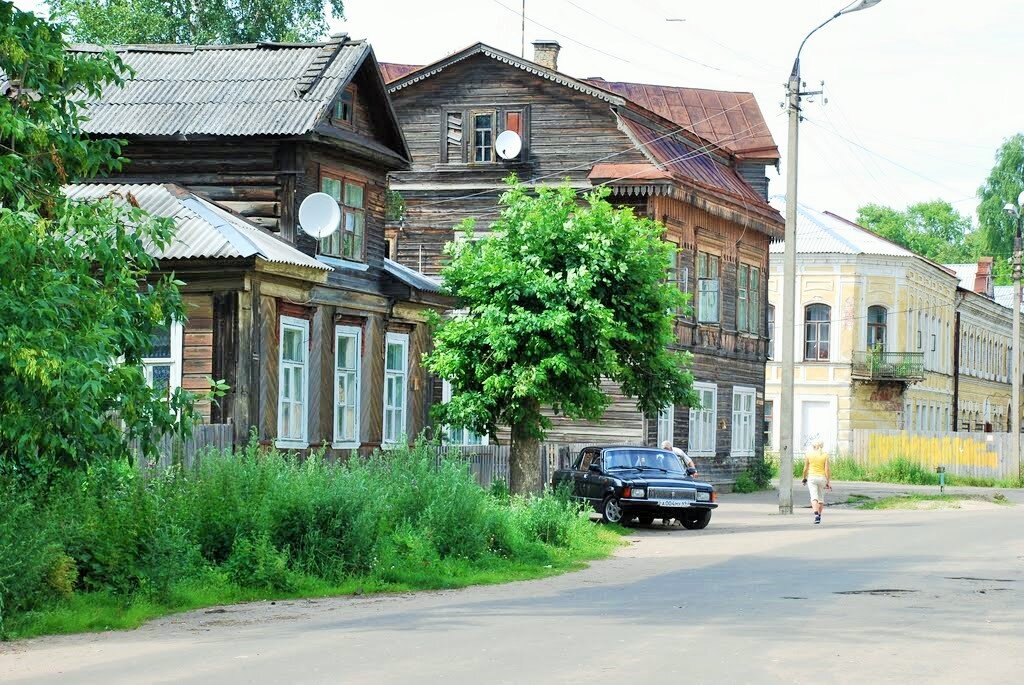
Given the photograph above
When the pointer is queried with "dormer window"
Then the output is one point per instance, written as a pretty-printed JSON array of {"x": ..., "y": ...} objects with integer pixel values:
[{"x": 345, "y": 107}]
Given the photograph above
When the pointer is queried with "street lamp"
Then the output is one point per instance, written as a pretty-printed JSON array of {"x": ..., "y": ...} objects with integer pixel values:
[
  {"x": 789, "y": 269},
  {"x": 1015, "y": 212}
]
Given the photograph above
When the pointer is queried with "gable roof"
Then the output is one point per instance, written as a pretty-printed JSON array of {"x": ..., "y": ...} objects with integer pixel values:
[
  {"x": 423, "y": 72},
  {"x": 827, "y": 233},
  {"x": 230, "y": 90},
  {"x": 731, "y": 120},
  {"x": 204, "y": 229}
]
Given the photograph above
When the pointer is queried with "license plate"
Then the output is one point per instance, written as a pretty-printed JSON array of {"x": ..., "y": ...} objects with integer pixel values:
[{"x": 673, "y": 503}]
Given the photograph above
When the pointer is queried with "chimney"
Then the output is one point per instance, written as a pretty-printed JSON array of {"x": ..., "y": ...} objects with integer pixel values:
[
  {"x": 545, "y": 53},
  {"x": 983, "y": 278}
]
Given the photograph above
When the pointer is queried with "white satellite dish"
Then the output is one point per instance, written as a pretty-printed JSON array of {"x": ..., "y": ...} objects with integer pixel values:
[
  {"x": 508, "y": 144},
  {"x": 319, "y": 215}
]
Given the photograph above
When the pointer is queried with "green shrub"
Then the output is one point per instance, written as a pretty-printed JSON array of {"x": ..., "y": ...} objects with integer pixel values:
[
  {"x": 28, "y": 554},
  {"x": 745, "y": 483},
  {"x": 904, "y": 471},
  {"x": 846, "y": 468},
  {"x": 256, "y": 563}
]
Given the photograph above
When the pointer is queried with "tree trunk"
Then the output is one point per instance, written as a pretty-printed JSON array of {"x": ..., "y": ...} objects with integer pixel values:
[{"x": 524, "y": 460}]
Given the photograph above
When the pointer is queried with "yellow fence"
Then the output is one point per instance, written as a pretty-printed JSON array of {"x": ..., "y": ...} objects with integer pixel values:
[{"x": 964, "y": 454}]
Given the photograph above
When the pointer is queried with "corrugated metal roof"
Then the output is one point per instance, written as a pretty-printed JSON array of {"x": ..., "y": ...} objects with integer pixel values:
[
  {"x": 411, "y": 277},
  {"x": 204, "y": 230},
  {"x": 1004, "y": 296},
  {"x": 732, "y": 120},
  {"x": 825, "y": 233},
  {"x": 392, "y": 71},
  {"x": 965, "y": 273},
  {"x": 239, "y": 90}
]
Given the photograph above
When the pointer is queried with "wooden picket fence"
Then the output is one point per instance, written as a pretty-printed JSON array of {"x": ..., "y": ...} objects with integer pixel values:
[
  {"x": 982, "y": 455},
  {"x": 174, "y": 450}
]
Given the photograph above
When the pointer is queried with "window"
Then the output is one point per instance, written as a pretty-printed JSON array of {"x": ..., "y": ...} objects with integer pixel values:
[
  {"x": 459, "y": 436},
  {"x": 816, "y": 332},
  {"x": 703, "y": 420},
  {"x": 707, "y": 276},
  {"x": 292, "y": 383},
  {"x": 347, "y": 362},
  {"x": 396, "y": 377},
  {"x": 769, "y": 422},
  {"x": 748, "y": 299},
  {"x": 347, "y": 242},
  {"x": 345, "y": 107},
  {"x": 162, "y": 361},
  {"x": 483, "y": 137},
  {"x": 771, "y": 331},
  {"x": 666, "y": 427},
  {"x": 743, "y": 400},
  {"x": 876, "y": 327}
]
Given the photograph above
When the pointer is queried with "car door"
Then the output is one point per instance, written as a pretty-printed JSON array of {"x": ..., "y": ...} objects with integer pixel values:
[
  {"x": 581, "y": 473},
  {"x": 596, "y": 481}
]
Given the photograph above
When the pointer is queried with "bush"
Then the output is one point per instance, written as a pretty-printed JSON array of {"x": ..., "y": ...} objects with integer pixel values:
[{"x": 745, "y": 483}]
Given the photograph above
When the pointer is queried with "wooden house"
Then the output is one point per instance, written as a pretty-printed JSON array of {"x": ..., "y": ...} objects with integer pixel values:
[
  {"x": 693, "y": 159},
  {"x": 320, "y": 341}
]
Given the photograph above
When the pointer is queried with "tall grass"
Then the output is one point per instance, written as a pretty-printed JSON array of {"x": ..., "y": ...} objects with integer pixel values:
[
  {"x": 110, "y": 547},
  {"x": 899, "y": 470}
]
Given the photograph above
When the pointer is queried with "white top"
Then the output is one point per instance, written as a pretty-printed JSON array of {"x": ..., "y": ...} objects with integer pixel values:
[{"x": 684, "y": 456}]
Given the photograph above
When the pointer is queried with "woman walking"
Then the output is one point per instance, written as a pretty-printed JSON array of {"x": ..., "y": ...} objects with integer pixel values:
[{"x": 817, "y": 477}]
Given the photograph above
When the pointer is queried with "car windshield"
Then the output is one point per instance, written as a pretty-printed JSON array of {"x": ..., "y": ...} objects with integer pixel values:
[{"x": 643, "y": 459}]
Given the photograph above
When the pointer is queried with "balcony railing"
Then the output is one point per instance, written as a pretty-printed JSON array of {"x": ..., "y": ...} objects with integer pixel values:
[{"x": 888, "y": 366}]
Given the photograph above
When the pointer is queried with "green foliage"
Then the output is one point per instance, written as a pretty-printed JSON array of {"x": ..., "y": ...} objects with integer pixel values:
[
  {"x": 110, "y": 22},
  {"x": 40, "y": 114},
  {"x": 745, "y": 483},
  {"x": 557, "y": 298},
  {"x": 74, "y": 323},
  {"x": 932, "y": 229},
  {"x": 256, "y": 524},
  {"x": 1004, "y": 184}
]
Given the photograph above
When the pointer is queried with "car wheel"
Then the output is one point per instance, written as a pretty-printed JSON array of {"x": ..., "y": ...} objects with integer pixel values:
[
  {"x": 645, "y": 519},
  {"x": 611, "y": 510},
  {"x": 697, "y": 521}
]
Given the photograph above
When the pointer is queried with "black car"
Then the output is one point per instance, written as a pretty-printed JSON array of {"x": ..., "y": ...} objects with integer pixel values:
[{"x": 626, "y": 483}]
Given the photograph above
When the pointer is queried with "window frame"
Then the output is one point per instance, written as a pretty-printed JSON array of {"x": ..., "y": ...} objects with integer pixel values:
[
  {"x": 666, "y": 425},
  {"x": 699, "y": 447},
  {"x": 328, "y": 173},
  {"x": 770, "y": 331},
  {"x": 471, "y": 156},
  {"x": 401, "y": 339},
  {"x": 743, "y": 439},
  {"x": 818, "y": 324},
  {"x": 708, "y": 295},
  {"x": 464, "y": 433},
  {"x": 176, "y": 335},
  {"x": 462, "y": 151},
  {"x": 874, "y": 326},
  {"x": 302, "y": 325},
  {"x": 349, "y": 122},
  {"x": 356, "y": 334}
]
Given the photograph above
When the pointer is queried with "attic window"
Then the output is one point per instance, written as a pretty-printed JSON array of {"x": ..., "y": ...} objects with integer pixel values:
[
  {"x": 467, "y": 136},
  {"x": 345, "y": 107}
]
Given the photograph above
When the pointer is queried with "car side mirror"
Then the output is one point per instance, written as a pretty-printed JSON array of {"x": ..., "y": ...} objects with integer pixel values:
[{"x": 594, "y": 468}]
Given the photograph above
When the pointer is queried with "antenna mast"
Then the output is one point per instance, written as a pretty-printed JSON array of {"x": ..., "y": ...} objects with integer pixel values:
[{"x": 522, "y": 32}]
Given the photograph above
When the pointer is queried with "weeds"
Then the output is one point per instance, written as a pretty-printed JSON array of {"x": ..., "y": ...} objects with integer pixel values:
[{"x": 108, "y": 547}]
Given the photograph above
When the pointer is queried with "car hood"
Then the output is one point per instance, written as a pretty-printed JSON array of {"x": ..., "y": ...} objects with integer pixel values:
[{"x": 657, "y": 480}]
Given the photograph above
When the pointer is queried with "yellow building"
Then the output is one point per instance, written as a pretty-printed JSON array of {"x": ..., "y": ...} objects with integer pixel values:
[{"x": 875, "y": 335}]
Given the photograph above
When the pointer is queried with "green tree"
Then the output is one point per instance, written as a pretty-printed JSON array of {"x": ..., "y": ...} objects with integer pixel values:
[
  {"x": 558, "y": 297},
  {"x": 935, "y": 230},
  {"x": 1004, "y": 183},
  {"x": 109, "y": 22},
  {"x": 77, "y": 300}
]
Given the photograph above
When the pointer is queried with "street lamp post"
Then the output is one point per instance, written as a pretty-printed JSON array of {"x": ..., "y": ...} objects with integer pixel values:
[
  {"x": 789, "y": 269},
  {"x": 1016, "y": 212}
]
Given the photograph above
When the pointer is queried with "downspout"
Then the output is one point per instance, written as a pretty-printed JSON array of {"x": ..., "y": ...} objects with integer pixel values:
[{"x": 956, "y": 364}]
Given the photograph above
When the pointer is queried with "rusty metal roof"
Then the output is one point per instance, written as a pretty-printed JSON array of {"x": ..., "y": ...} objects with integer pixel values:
[
  {"x": 732, "y": 120},
  {"x": 204, "y": 229},
  {"x": 236, "y": 90},
  {"x": 695, "y": 166},
  {"x": 392, "y": 71}
]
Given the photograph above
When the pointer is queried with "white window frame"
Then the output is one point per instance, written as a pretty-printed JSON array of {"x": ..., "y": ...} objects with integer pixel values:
[
  {"x": 356, "y": 334},
  {"x": 666, "y": 425},
  {"x": 401, "y": 339},
  {"x": 302, "y": 441},
  {"x": 462, "y": 435},
  {"x": 174, "y": 360},
  {"x": 703, "y": 434},
  {"x": 743, "y": 439}
]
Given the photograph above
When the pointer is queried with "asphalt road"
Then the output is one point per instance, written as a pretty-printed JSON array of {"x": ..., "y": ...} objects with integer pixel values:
[{"x": 868, "y": 596}]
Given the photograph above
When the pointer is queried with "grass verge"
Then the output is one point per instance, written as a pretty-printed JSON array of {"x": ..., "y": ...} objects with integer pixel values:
[
  {"x": 110, "y": 547},
  {"x": 900, "y": 471},
  {"x": 918, "y": 501}
]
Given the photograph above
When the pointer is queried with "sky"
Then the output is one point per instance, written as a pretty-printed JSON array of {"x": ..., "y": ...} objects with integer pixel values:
[{"x": 921, "y": 93}]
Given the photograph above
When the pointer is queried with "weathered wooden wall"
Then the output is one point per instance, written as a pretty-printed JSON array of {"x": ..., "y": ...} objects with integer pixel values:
[{"x": 197, "y": 353}]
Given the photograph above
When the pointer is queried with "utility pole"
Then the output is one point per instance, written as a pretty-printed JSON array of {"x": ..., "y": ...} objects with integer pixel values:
[
  {"x": 522, "y": 32},
  {"x": 789, "y": 299},
  {"x": 1016, "y": 213}
]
